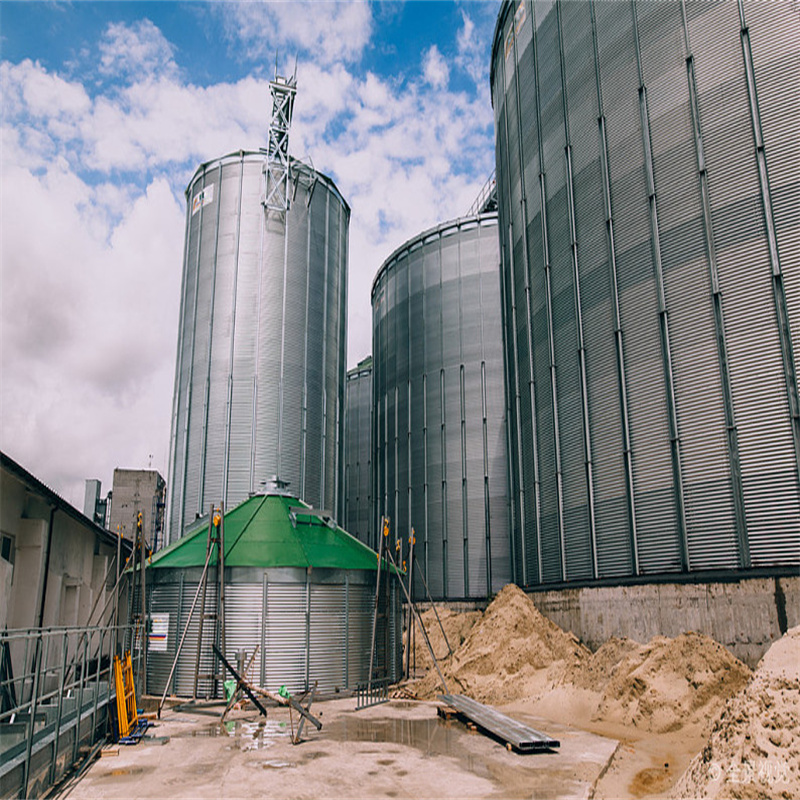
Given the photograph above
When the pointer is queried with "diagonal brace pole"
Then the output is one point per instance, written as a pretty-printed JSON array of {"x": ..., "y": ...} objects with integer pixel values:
[{"x": 240, "y": 680}]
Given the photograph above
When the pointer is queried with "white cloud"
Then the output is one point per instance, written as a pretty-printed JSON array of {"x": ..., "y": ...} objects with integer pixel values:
[
  {"x": 435, "y": 68},
  {"x": 327, "y": 31},
  {"x": 471, "y": 56},
  {"x": 89, "y": 317},
  {"x": 43, "y": 95},
  {"x": 93, "y": 216},
  {"x": 135, "y": 51}
]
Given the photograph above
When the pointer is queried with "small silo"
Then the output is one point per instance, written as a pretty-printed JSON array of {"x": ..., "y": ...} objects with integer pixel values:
[
  {"x": 296, "y": 586},
  {"x": 356, "y": 514},
  {"x": 439, "y": 432},
  {"x": 260, "y": 369}
]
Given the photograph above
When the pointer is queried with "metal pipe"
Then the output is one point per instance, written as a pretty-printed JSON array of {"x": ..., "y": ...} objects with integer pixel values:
[
  {"x": 381, "y": 535},
  {"x": 32, "y": 707},
  {"x": 185, "y": 631},
  {"x": 77, "y": 742},
  {"x": 46, "y": 568},
  {"x": 419, "y": 620},
  {"x": 436, "y": 613},
  {"x": 59, "y": 712}
]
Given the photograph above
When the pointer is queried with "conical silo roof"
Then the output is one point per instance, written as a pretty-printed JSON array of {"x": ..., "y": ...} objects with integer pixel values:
[{"x": 272, "y": 531}]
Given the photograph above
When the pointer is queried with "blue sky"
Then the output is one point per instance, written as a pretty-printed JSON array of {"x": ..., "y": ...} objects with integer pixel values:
[{"x": 107, "y": 110}]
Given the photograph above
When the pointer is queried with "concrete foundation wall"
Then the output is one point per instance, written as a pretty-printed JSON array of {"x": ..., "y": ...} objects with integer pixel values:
[{"x": 745, "y": 616}]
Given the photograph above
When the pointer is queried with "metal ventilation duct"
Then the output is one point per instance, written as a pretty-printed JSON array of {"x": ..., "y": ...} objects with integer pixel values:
[{"x": 647, "y": 182}]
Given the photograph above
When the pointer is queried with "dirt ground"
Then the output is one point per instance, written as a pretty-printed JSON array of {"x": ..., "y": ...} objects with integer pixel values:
[{"x": 399, "y": 749}]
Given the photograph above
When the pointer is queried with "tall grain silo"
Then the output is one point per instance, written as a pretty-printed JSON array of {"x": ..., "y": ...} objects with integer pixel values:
[
  {"x": 647, "y": 178},
  {"x": 356, "y": 482},
  {"x": 261, "y": 345},
  {"x": 439, "y": 433}
]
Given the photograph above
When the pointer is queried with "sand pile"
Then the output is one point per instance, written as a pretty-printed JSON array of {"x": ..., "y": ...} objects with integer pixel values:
[
  {"x": 596, "y": 671},
  {"x": 754, "y": 747},
  {"x": 456, "y": 625},
  {"x": 670, "y": 683},
  {"x": 511, "y": 652}
]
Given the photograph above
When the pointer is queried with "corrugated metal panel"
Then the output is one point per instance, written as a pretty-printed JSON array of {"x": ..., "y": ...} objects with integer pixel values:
[
  {"x": 164, "y": 599},
  {"x": 710, "y": 512},
  {"x": 360, "y": 602},
  {"x": 328, "y": 637},
  {"x": 757, "y": 372},
  {"x": 286, "y": 637},
  {"x": 357, "y": 485},
  {"x": 185, "y": 670},
  {"x": 774, "y": 36},
  {"x": 435, "y": 304},
  {"x": 243, "y": 623},
  {"x": 329, "y": 645},
  {"x": 654, "y": 497}
]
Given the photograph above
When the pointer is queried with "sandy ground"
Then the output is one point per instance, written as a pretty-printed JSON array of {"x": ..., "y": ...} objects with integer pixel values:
[
  {"x": 691, "y": 719},
  {"x": 399, "y": 749}
]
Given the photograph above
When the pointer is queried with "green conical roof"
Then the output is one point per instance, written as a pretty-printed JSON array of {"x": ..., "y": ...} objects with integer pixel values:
[{"x": 260, "y": 533}]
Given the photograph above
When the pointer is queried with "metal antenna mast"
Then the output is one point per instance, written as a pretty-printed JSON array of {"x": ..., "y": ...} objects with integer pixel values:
[{"x": 283, "y": 90}]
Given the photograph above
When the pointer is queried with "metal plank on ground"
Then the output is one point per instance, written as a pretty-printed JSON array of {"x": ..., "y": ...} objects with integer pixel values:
[{"x": 519, "y": 736}]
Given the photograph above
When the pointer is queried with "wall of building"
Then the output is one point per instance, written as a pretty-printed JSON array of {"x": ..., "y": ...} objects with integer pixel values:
[
  {"x": 648, "y": 198},
  {"x": 71, "y": 578},
  {"x": 136, "y": 490}
]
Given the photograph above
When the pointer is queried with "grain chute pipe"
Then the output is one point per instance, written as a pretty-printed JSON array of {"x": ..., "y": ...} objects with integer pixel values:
[{"x": 185, "y": 631}]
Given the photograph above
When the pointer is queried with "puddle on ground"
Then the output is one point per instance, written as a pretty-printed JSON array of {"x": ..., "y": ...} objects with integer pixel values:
[
  {"x": 529, "y": 775},
  {"x": 247, "y": 734},
  {"x": 433, "y": 737},
  {"x": 276, "y": 764},
  {"x": 517, "y": 776}
]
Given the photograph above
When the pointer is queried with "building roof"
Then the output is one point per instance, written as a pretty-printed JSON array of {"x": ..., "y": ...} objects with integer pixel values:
[
  {"x": 272, "y": 530},
  {"x": 34, "y": 485}
]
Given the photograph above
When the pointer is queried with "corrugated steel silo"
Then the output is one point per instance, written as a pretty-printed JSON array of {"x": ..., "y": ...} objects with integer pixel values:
[
  {"x": 261, "y": 346},
  {"x": 356, "y": 483},
  {"x": 299, "y": 593},
  {"x": 440, "y": 449},
  {"x": 647, "y": 178}
]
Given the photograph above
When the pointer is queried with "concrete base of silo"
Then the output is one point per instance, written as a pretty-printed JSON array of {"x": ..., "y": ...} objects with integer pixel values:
[{"x": 746, "y": 615}]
